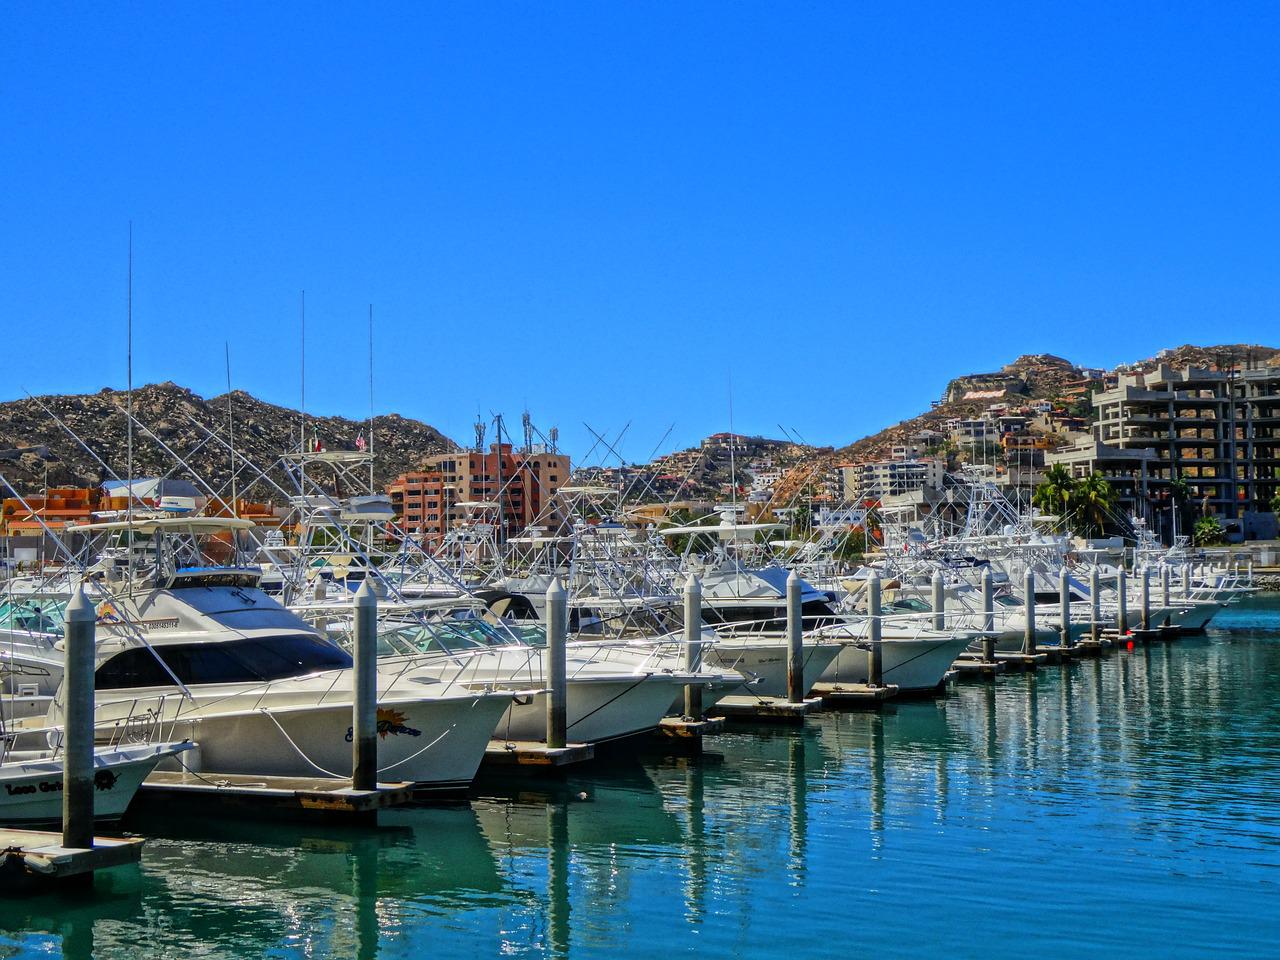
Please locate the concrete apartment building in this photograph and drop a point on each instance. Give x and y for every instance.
(1218, 430)
(891, 478)
(428, 501)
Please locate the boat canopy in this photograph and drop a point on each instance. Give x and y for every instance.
(162, 524)
(725, 531)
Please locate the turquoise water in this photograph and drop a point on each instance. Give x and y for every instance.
(1130, 806)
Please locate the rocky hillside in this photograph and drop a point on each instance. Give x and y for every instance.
(262, 433)
(1238, 355)
(1041, 377)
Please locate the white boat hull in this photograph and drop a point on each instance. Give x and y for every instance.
(912, 664)
(597, 710)
(31, 791)
(437, 744)
(763, 662)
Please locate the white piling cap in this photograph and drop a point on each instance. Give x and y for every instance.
(693, 584)
(556, 588)
(79, 607)
(366, 596)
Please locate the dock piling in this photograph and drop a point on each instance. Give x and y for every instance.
(1095, 604)
(1064, 609)
(557, 667)
(1145, 594)
(988, 617)
(1029, 608)
(77, 737)
(1122, 603)
(364, 725)
(1165, 598)
(875, 661)
(692, 645)
(939, 601)
(795, 640)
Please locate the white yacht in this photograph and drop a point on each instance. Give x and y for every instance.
(187, 651)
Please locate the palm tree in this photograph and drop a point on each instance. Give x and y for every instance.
(1091, 504)
(1053, 494)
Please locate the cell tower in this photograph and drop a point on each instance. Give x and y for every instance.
(479, 434)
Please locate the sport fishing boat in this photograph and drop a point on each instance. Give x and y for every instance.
(614, 688)
(190, 651)
(748, 611)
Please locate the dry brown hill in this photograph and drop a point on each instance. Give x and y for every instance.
(263, 432)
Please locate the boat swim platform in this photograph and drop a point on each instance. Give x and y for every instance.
(33, 859)
(855, 695)
(749, 709)
(534, 756)
(289, 797)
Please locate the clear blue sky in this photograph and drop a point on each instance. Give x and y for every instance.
(600, 210)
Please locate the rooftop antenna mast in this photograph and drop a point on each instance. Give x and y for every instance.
(528, 432)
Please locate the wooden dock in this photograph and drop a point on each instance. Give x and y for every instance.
(33, 858)
(301, 797)
(766, 709)
(977, 668)
(534, 755)
(854, 694)
(1022, 661)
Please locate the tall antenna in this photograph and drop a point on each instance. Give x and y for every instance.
(479, 434)
(302, 367)
(370, 447)
(302, 405)
(129, 413)
(231, 436)
(733, 463)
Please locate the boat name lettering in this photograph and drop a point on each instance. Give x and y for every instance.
(102, 780)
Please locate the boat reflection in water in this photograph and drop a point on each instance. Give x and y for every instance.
(231, 887)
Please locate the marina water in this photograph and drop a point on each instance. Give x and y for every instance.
(1129, 806)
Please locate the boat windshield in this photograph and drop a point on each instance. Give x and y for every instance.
(910, 603)
(248, 660)
(443, 636)
(32, 616)
(1007, 601)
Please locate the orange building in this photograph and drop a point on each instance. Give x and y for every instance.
(427, 501)
(62, 505)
